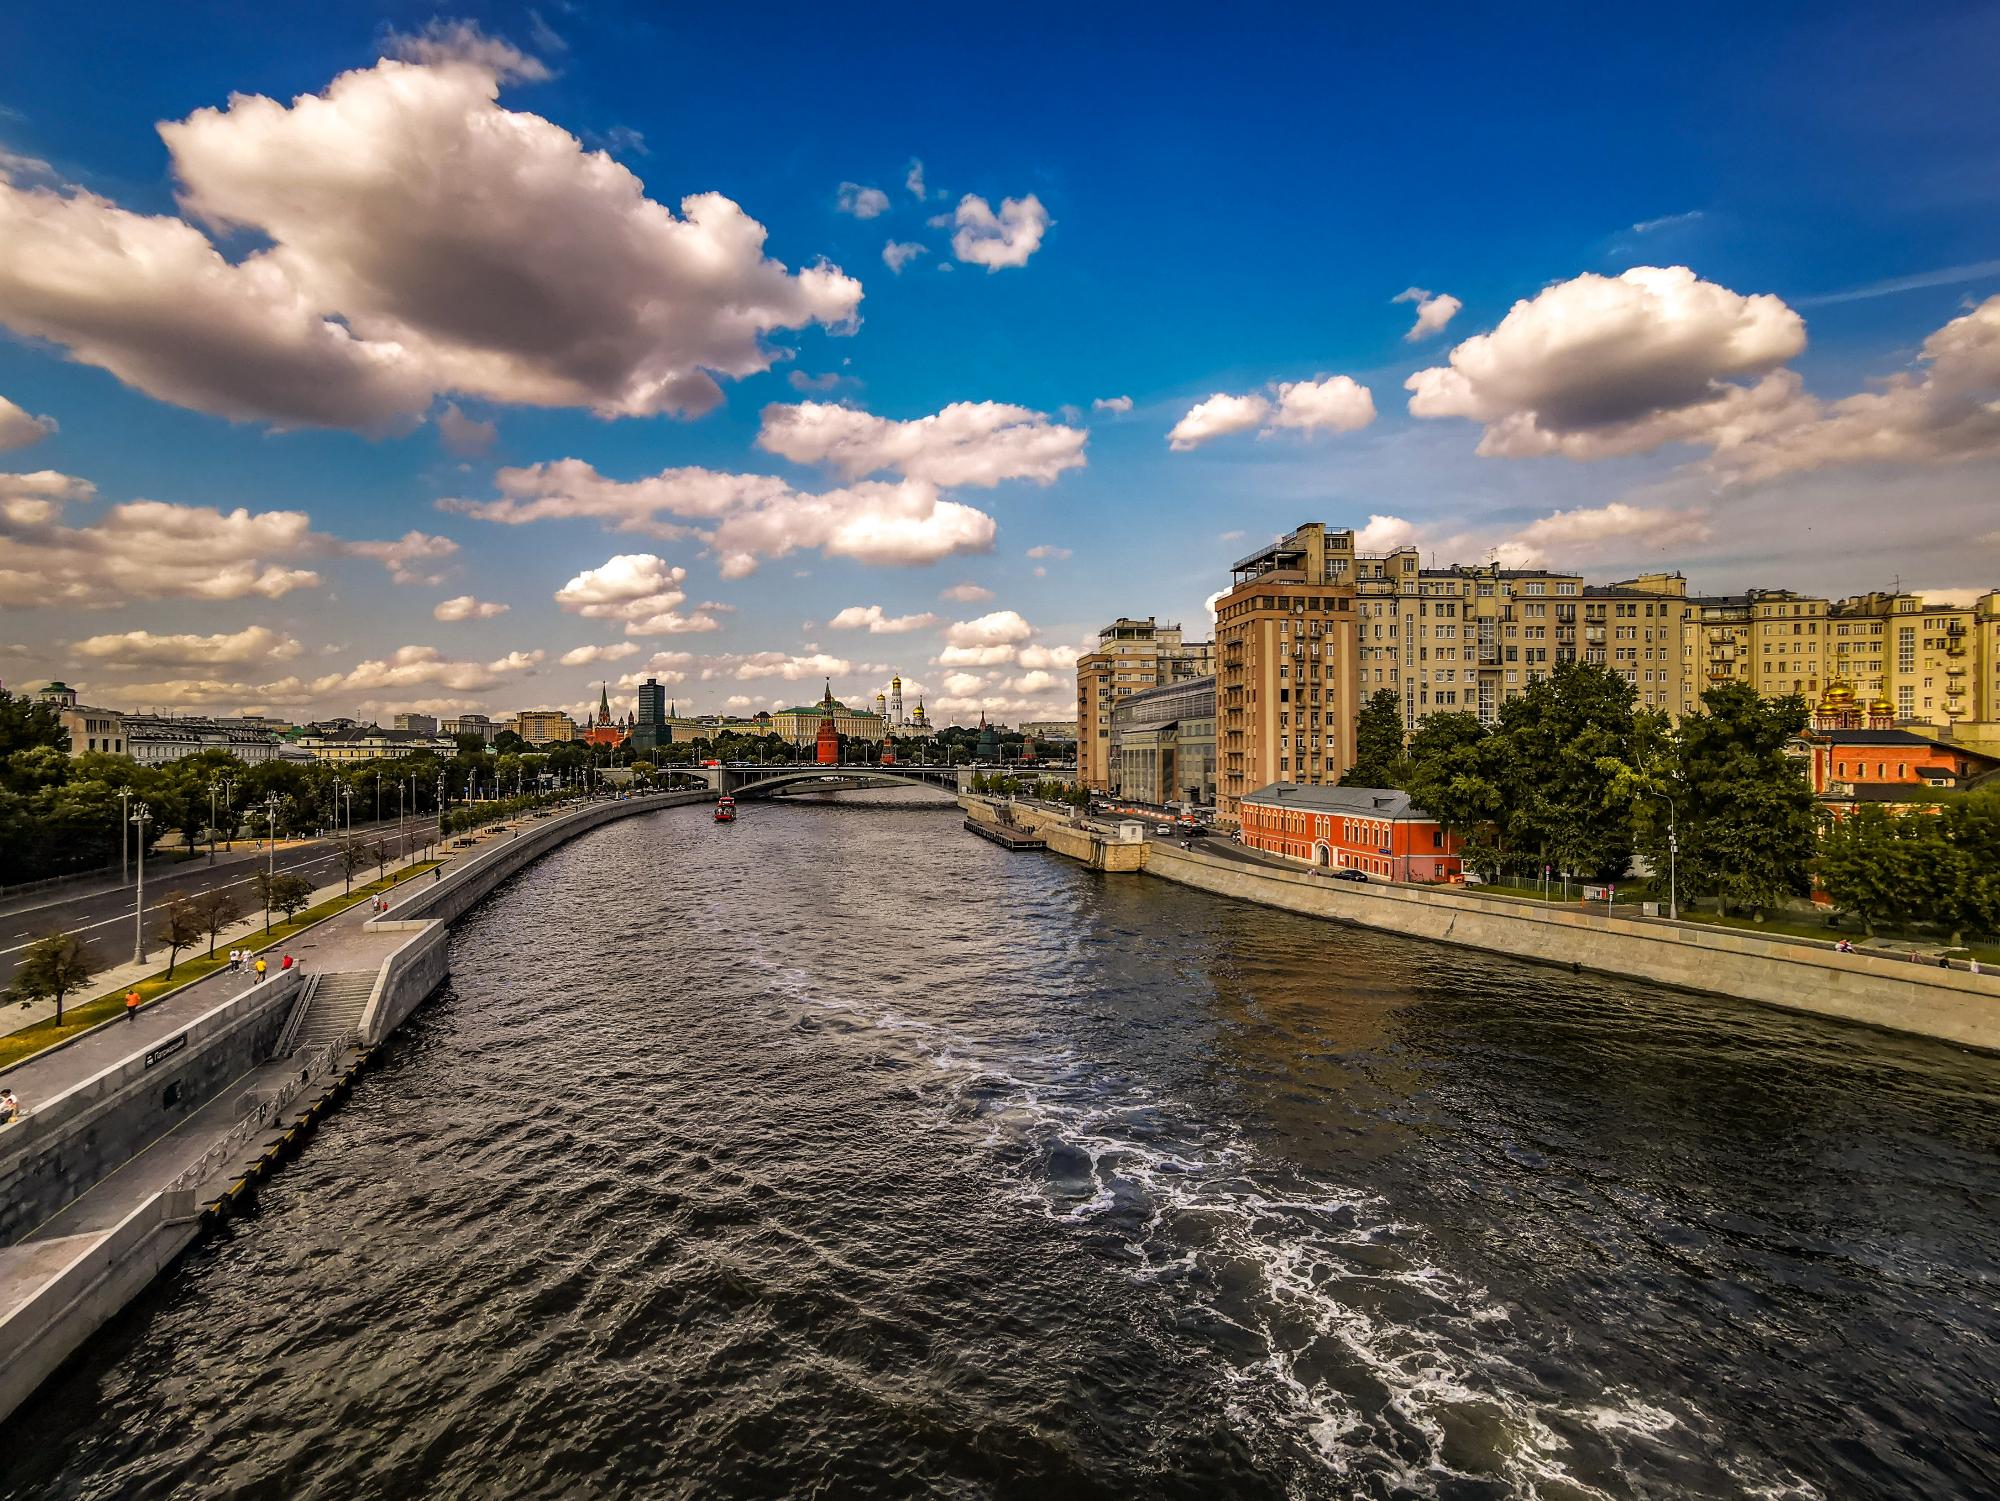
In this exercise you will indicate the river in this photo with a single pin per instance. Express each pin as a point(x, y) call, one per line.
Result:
point(840, 1154)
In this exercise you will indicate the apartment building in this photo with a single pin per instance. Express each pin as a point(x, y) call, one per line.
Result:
point(1287, 684)
point(1461, 639)
point(544, 726)
point(1163, 743)
point(1131, 655)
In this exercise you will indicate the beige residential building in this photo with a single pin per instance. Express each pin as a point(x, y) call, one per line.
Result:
point(89, 729)
point(1923, 658)
point(1131, 655)
point(1287, 684)
point(544, 726)
point(1460, 639)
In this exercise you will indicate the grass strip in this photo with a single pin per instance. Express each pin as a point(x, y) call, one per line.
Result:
point(18, 1047)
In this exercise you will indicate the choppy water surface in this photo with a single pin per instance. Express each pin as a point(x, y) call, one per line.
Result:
point(839, 1154)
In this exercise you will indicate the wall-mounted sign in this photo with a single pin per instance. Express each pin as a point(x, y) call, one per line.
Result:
point(167, 1049)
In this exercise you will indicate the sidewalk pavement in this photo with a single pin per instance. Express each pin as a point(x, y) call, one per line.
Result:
point(190, 1000)
point(336, 945)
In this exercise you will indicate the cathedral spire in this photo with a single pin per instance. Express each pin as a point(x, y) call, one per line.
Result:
point(604, 703)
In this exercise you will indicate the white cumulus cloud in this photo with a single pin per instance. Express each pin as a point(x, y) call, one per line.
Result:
point(466, 607)
point(1326, 403)
point(412, 238)
point(640, 589)
point(1218, 417)
point(1330, 403)
point(18, 429)
point(997, 241)
point(863, 203)
point(142, 648)
point(1601, 366)
point(583, 656)
point(977, 443)
point(966, 593)
point(899, 253)
point(879, 622)
point(744, 518)
point(1115, 404)
point(1434, 311)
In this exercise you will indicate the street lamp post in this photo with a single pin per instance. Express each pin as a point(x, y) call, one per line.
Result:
point(141, 816)
point(271, 843)
point(1673, 864)
point(124, 813)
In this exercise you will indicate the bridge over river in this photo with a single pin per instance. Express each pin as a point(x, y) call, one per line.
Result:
point(750, 779)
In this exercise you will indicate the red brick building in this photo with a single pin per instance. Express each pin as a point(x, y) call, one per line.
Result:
point(1847, 767)
point(1375, 830)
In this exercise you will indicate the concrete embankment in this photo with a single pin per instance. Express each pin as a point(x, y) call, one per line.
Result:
point(96, 1194)
point(1948, 1005)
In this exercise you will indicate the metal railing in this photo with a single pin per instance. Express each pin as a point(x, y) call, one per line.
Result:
point(316, 1062)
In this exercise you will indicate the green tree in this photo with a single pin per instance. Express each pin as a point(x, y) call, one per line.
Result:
point(1449, 773)
point(290, 893)
point(1556, 759)
point(217, 908)
point(353, 854)
point(1742, 811)
point(1869, 863)
point(24, 724)
point(179, 927)
point(1378, 744)
point(52, 969)
point(1966, 892)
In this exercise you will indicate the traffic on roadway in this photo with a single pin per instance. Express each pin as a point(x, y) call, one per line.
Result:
point(104, 917)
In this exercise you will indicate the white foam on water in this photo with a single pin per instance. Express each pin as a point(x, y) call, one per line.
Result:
point(1305, 1272)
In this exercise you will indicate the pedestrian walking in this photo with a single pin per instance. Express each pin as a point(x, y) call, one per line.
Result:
point(132, 1004)
point(261, 967)
point(1973, 965)
point(235, 961)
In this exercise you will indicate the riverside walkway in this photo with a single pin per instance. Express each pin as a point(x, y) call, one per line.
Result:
point(114, 1185)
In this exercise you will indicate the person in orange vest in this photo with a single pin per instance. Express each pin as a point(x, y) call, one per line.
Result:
point(132, 1004)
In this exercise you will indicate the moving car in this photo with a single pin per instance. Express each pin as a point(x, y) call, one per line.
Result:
point(1350, 874)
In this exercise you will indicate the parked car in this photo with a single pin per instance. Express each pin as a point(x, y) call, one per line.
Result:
point(1350, 874)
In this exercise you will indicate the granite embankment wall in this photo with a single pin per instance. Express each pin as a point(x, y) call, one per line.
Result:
point(52, 1303)
point(1062, 833)
point(1894, 994)
point(93, 1281)
point(68, 1143)
point(419, 966)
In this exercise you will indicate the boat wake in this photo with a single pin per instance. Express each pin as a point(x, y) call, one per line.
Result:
point(1350, 1362)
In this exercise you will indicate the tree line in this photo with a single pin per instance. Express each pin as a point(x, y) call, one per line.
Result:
point(1574, 778)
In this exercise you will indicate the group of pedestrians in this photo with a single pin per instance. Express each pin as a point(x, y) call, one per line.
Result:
point(245, 961)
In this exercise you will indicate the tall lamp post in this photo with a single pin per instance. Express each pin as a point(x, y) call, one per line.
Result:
point(226, 788)
point(124, 814)
point(271, 841)
point(141, 816)
point(1673, 864)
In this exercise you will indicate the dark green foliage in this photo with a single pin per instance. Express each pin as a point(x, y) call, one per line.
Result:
point(1378, 744)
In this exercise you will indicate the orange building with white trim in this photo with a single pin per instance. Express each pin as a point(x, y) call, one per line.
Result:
point(1374, 830)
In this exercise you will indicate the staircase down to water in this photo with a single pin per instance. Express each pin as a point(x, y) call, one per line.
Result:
point(337, 1005)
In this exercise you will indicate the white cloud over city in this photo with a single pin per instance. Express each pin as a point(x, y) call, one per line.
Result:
point(514, 266)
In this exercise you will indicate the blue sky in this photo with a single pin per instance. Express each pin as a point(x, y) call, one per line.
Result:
point(1220, 210)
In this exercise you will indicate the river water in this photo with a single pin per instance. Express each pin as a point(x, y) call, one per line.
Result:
point(840, 1154)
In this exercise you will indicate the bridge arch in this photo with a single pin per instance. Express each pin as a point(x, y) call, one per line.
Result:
point(756, 785)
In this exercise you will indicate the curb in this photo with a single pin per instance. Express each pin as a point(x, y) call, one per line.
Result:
point(152, 1001)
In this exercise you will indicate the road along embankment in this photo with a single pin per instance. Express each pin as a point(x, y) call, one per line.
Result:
point(1894, 994)
point(92, 1206)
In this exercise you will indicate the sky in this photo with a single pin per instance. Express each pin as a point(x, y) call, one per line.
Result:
point(397, 359)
